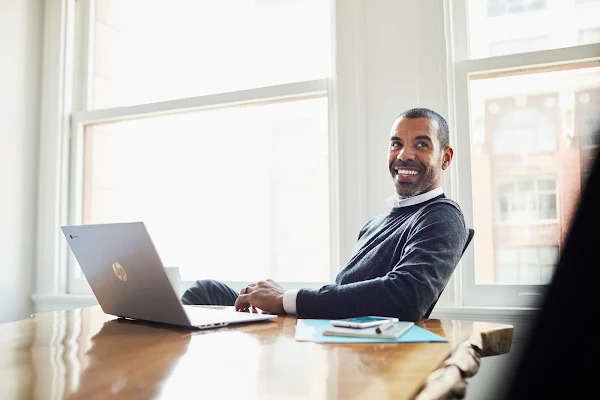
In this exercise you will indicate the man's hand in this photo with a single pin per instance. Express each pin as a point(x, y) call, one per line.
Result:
point(266, 295)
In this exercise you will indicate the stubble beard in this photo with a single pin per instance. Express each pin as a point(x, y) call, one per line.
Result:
point(410, 189)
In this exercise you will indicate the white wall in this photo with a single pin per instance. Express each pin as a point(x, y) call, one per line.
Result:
point(20, 55)
point(399, 76)
point(381, 71)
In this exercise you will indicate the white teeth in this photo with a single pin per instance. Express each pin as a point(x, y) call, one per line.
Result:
point(407, 172)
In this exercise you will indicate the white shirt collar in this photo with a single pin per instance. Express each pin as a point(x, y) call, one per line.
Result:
point(394, 201)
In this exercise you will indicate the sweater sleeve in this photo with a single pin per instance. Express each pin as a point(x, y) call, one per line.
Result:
point(433, 249)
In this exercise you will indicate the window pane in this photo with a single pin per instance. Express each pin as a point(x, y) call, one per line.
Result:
point(508, 274)
point(530, 274)
point(504, 212)
point(236, 194)
point(501, 7)
point(525, 185)
point(529, 255)
point(548, 255)
point(506, 187)
point(546, 272)
point(508, 266)
point(147, 51)
point(546, 184)
point(534, 25)
point(526, 265)
point(524, 193)
point(508, 256)
point(591, 129)
point(547, 206)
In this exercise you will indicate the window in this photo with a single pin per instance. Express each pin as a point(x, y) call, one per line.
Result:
point(590, 132)
point(528, 149)
point(502, 7)
point(218, 141)
point(524, 200)
point(525, 126)
point(526, 265)
point(588, 117)
point(222, 178)
point(186, 48)
point(501, 27)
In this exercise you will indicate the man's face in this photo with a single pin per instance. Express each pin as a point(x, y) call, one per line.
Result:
point(416, 160)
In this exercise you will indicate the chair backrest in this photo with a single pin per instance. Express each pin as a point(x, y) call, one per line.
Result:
point(469, 238)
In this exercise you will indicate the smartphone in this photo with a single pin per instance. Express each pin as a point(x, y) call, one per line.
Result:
point(361, 322)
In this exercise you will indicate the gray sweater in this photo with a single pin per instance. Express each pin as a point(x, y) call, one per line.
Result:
point(401, 263)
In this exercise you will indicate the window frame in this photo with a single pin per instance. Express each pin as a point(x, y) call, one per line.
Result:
point(460, 68)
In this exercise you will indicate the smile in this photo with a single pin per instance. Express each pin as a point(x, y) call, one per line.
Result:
point(403, 171)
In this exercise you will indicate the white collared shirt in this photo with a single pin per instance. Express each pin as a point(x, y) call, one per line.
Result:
point(289, 297)
point(394, 201)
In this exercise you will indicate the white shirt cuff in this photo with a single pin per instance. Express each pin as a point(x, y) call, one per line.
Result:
point(289, 301)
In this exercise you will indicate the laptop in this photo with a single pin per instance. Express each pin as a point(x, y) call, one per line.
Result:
point(128, 278)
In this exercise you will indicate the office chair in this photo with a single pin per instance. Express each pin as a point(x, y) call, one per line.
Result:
point(469, 238)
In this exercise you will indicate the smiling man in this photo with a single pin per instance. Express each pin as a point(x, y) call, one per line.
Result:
point(403, 259)
point(419, 152)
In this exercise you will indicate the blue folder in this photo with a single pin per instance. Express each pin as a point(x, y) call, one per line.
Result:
point(312, 330)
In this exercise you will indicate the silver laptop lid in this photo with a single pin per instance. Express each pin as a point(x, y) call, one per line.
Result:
point(125, 271)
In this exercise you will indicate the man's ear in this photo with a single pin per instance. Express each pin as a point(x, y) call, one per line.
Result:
point(447, 157)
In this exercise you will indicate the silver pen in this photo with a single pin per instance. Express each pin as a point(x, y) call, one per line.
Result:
point(384, 327)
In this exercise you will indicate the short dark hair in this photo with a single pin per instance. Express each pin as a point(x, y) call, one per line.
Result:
point(443, 133)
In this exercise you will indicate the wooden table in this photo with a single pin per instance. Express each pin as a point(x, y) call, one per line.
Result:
point(86, 354)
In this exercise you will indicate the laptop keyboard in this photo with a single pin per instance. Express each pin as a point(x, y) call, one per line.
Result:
point(218, 316)
point(205, 317)
point(204, 310)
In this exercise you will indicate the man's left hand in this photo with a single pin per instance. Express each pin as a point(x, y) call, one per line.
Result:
point(266, 295)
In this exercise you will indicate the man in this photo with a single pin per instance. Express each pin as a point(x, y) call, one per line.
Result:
point(402, 260)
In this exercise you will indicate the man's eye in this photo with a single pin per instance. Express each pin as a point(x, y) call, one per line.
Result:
point(422, 144)
point(395, 144)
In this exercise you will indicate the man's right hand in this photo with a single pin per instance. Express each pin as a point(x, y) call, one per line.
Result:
point(265, 295)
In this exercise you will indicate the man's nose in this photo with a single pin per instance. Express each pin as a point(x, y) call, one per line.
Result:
point(406, 154)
